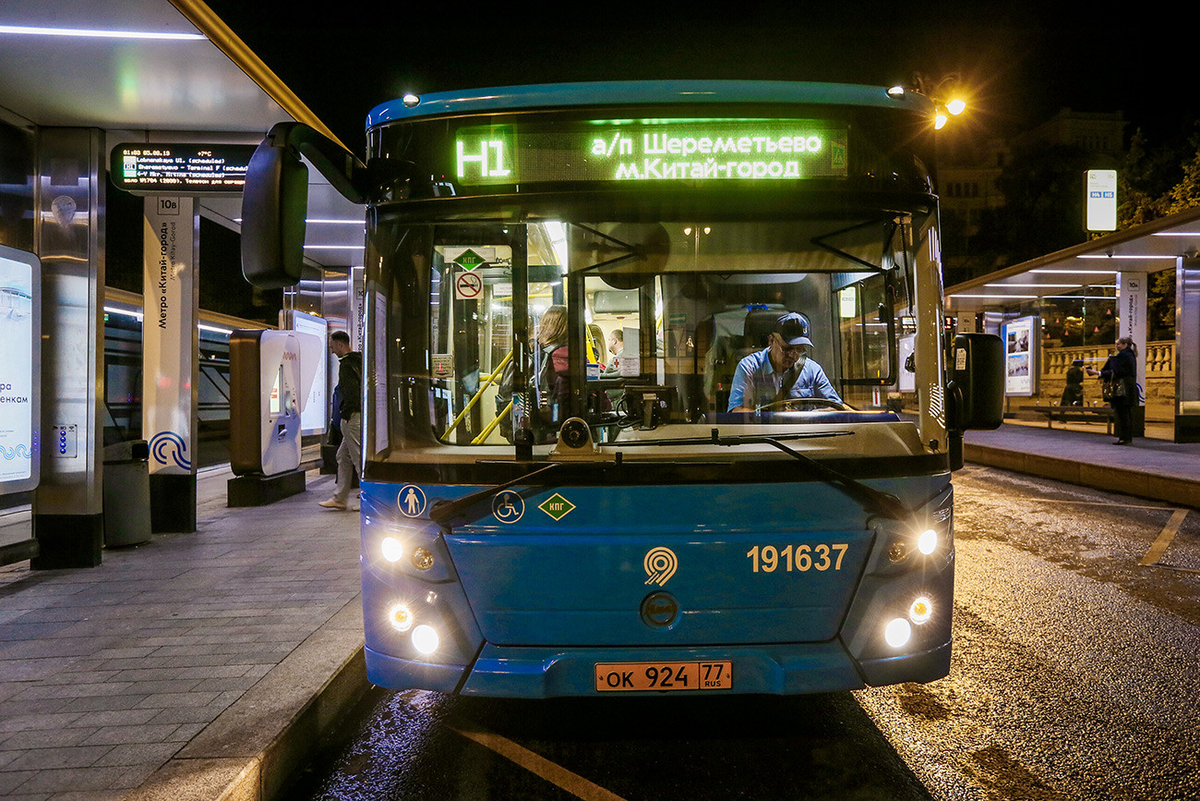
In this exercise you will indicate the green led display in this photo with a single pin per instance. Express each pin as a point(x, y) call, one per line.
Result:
point(649, 151)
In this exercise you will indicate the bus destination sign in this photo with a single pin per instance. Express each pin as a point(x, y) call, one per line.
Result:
point(691, 150)
point(180, 169)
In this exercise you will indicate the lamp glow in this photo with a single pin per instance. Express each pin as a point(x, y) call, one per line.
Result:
point(939, 120)
point(401, 617)
point(920, 611)
point(392, 549)
point(928, 541)
point(425, 639)
point(897, 632)
point(956, 106)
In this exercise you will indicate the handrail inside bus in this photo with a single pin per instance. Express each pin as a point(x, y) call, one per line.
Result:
point(487, 382)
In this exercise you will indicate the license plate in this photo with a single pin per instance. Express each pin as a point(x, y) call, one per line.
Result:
point(663, 676)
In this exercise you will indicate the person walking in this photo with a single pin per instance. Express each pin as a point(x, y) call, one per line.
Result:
point(1119, 375)
point(349, 413)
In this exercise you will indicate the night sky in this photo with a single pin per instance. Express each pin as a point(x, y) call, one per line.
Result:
point(1023, 61)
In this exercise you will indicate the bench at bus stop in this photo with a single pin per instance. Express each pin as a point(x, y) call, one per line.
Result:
point(1074, 414)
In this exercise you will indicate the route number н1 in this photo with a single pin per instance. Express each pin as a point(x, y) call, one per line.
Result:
point(802, 558)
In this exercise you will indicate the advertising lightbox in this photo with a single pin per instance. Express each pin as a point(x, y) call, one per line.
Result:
point(314, 417)
point(1022, 340)
point(20, 378)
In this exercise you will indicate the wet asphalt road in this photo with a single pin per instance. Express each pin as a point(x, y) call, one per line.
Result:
point(1076, 675)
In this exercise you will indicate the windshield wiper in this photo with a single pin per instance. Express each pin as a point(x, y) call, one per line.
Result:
point(444, 510)
point(872, 499)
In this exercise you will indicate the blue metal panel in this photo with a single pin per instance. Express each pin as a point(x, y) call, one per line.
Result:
point(634, 93)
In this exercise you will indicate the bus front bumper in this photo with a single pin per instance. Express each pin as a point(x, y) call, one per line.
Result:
point(545, 672)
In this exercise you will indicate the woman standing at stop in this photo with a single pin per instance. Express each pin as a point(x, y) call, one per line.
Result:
point(1120, 377)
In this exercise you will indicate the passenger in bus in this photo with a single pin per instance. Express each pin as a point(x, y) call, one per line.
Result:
point(550, 383)
point(781, 371)
point(616, 343)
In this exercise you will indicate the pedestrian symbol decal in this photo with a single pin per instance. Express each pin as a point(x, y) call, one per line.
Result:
point(508, 506)
point(411, 501)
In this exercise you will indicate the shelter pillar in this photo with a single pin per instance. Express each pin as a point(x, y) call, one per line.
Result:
point(170, 343)
point(68, 519)
point(1187, 349)
point(1131, 313)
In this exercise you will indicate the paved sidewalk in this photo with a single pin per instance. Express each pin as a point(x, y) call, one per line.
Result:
point(175, 668)
point(1149, 468)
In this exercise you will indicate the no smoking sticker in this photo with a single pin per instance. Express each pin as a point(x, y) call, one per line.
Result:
point(468, 286)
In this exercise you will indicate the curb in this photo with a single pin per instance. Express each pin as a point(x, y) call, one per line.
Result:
point(254, 749)
point(1177, 491)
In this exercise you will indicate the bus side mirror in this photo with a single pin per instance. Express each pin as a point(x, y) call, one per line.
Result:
point(275, 199)
point(274, 204)
point(976, 388)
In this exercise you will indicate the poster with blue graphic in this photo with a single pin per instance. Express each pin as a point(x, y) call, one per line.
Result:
point(19, 379)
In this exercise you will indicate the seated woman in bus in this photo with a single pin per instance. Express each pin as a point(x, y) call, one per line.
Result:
point(550, 383)
point(781, 371)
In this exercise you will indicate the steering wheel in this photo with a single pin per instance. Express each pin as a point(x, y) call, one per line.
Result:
point(797, 404)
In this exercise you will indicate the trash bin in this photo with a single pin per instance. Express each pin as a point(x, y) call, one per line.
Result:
point(126, 493)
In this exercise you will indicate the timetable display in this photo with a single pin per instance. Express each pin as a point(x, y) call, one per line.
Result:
point(180, 169)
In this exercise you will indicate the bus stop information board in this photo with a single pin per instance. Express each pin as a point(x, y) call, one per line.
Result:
point(652, 150)
point(180, 169)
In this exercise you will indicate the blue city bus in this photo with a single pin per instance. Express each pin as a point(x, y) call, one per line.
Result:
point(546, 512)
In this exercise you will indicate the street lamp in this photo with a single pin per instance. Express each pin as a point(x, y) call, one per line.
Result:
point(946, 95)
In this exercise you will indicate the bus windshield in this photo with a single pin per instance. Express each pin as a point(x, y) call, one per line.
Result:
point(655, 331)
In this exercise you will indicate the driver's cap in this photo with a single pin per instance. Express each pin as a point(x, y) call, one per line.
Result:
point(793, 328)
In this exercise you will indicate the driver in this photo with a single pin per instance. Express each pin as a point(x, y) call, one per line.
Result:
point(781, 371)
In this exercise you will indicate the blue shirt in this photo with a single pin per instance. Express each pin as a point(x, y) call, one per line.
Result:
point(755, 382)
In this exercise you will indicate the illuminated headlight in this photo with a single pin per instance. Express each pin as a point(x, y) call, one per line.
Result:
point(392, 549)
point(897, 632)
point(921, 610)
point(928, 541)
point(401, 617)
point(425, 639)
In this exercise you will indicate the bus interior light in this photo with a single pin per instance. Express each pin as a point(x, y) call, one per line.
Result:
point(425, 639)
point(897, 633)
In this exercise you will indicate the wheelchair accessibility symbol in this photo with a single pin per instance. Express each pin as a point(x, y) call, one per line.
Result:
point(508, 506)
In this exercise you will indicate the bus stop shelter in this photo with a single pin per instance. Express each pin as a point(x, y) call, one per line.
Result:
point(1115, 267)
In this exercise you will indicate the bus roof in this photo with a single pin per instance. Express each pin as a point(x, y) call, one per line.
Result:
point(627, 93)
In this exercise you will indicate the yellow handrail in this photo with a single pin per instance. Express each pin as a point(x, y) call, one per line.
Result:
point(487, 382)
point(490, 427)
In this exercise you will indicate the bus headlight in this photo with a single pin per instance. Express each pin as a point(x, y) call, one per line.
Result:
point(920, 611)
point(425, 639)
point(401, 617)
point(928, 541)
point(422, 559)
point(391, 549)
point(897, 633)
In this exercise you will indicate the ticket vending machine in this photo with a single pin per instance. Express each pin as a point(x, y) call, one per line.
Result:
point(270, 374)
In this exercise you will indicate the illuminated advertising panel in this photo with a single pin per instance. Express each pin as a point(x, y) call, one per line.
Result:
point(315, 414)
point(180, 169)
point(1021, 349)
point(648, 151)
point(20, 379)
